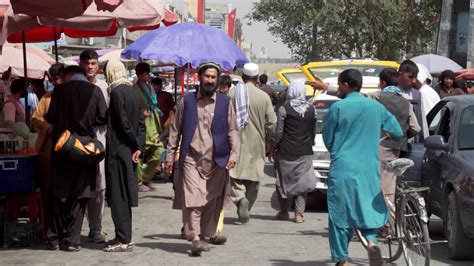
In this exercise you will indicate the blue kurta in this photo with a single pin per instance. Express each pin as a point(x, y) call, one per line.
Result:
point(352, 133)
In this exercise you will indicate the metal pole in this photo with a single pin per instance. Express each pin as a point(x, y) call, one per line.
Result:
point(55, 45)
point(25, 74)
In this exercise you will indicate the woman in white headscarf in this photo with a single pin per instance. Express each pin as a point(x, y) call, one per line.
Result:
point(125, 140)
point(292, 145)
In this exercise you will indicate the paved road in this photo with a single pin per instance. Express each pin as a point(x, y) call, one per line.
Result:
point(263, 241)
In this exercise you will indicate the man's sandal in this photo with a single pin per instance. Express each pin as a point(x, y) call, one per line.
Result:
point(119, 247)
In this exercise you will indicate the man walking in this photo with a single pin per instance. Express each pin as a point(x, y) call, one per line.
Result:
point(206, 124)
point(153, 146)
point(256, 121)
point(352, 131)
point(77, 106)
point(89, 62)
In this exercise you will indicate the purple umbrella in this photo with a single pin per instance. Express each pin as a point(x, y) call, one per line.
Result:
point(187, 43)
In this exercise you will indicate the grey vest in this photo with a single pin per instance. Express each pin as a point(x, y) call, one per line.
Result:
point(398, 107)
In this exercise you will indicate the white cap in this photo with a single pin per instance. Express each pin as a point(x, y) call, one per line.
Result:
point(250, 70)
point(423, 73)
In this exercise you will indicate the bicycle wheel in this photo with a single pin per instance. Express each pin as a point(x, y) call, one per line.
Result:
point(412, 229)
point(390, 247)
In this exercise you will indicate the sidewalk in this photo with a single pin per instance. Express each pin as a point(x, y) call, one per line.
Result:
point(263, 241)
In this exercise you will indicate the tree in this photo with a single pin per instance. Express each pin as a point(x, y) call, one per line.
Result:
point(322, 29)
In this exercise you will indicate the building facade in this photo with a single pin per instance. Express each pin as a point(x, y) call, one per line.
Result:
point(456, 31)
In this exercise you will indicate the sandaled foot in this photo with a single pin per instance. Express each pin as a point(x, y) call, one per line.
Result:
point(197, 247)
point(150, 185)
point(243, 211)
point(183, 235)
point(71, 247)
point(52, 245)
point(119, 247)
point(284, 216)
point(217, 240)
point(375, 255)
point(299, 218)
point(143, 188)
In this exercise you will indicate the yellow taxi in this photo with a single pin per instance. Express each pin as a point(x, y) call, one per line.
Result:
point(289, 74)
point(328, 71)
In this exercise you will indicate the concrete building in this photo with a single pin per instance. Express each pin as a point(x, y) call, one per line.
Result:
point(456, 31)
point(215, 15)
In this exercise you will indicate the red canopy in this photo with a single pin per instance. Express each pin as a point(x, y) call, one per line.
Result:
point(60, 9)
point(142, 16)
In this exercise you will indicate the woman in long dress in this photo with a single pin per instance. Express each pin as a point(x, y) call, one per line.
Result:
point(125, 141)
point(292, 147)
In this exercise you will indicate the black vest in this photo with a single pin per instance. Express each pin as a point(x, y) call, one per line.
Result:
point(219, 127)
point(398, 107)
point(298, 137)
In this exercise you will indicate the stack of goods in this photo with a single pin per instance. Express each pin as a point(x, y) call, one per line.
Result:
point(18, 183)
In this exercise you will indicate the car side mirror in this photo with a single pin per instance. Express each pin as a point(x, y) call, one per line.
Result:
point(436, 142)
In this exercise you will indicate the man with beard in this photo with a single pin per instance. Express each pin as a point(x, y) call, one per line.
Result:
point(205, 123)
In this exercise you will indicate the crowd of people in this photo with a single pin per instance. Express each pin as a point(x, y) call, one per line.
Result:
point(214, 143)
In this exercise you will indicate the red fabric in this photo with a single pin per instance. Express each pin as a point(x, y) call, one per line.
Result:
point(40, 34)
point(200, 11)
point(231, 24)
point(170, 18)
point(131, 29)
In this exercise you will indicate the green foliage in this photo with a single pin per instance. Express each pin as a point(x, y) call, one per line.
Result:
point(321, 29)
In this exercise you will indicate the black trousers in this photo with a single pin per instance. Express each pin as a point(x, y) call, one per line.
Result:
point(122, 217)
point(121, 212)
point(64, 220)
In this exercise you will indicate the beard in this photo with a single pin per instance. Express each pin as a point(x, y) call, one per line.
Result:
point(207, 89)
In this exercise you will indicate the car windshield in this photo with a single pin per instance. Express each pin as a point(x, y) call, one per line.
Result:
point(334, 71)
point(466, 129)
point(294, 76)
point(322, 109)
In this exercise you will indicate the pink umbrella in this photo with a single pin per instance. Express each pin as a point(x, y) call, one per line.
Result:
point(61, 9)
point(141, 15)
point(12, 56)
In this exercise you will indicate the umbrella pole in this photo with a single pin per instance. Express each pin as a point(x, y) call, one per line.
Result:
point(55, 45)
point(25, 73)
point(175, 86)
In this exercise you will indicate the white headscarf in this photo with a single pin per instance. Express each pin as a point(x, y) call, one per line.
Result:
point(116, 74)
point(296, 96)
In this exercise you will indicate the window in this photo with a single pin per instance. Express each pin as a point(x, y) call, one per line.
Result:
point(435, 122)
point(466, 129)
point(444, 128)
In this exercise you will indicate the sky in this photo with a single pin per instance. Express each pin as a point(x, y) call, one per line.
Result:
point(257, 33)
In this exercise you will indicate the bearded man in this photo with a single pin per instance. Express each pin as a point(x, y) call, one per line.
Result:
point(205, 128)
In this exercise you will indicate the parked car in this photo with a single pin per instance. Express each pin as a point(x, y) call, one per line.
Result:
point(447, 168)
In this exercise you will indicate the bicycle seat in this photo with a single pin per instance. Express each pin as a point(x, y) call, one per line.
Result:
point(399, 166)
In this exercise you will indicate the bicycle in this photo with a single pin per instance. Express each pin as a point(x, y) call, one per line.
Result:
point(409, 218)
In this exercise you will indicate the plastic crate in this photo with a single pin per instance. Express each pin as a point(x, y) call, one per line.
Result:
point(21, 233)
point(17, 174)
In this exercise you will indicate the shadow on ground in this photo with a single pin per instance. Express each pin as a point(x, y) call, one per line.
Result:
point(162, 236)
point(180, 248)
point(317, 262)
